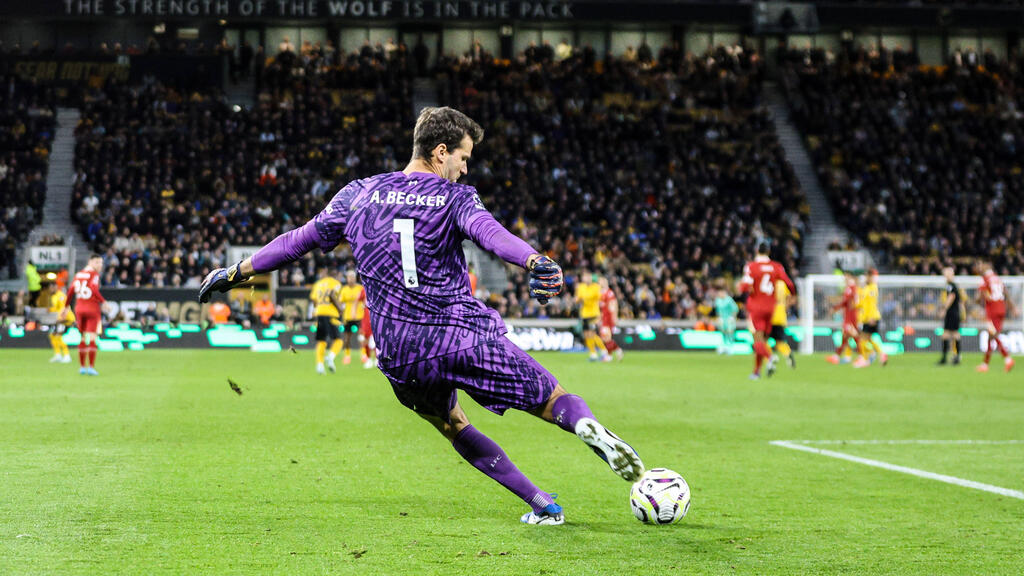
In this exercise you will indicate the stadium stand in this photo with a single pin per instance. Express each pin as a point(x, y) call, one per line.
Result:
point(26, 132)
point(164, 179)
point(659, 175)
point(922, 163)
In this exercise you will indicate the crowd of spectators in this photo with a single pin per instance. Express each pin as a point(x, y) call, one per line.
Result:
point(52, 240)
point(657, 169)
point(922, 163)
point(26, 132)
point(317, 69)
point(659, 174)
point(165, 179)
point(316, 64)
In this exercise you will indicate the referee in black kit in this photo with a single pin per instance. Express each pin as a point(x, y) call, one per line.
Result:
point(955, 313)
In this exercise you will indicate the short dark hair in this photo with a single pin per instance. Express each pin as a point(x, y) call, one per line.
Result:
point(442, 126)
point(94, 256)
point(764, 248)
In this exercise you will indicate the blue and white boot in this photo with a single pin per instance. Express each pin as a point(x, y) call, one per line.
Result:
point(620, 456)
point(551, 515)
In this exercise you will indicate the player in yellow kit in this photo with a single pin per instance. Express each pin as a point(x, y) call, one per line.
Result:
point(588, 296)
point(355, 307)
point(324, 297)
point(783, 300)
point(55, 301)
point(870, 316)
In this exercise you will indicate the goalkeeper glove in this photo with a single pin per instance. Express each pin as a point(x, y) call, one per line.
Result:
point(221, 280)
point(545, 279)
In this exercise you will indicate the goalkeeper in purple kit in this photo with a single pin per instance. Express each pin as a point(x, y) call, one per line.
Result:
point(433, 338)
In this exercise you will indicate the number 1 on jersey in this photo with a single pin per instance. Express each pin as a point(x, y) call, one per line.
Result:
point(405, 228)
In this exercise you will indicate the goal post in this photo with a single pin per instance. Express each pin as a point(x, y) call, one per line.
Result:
point(912, 310)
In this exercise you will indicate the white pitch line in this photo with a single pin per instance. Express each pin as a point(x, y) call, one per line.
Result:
point(897, 442)
point(904, 469)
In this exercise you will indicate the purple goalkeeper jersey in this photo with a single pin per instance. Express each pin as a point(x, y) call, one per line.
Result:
point(406, 233)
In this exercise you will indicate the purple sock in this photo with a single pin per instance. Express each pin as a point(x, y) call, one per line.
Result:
point(486, 456)
point(568, 410)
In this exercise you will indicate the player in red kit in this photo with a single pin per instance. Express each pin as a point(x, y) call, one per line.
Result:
point(609, 315)
point(759, 277)
point(993, 294)
point(88, 303)
point(850, 331)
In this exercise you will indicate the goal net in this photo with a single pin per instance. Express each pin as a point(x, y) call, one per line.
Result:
point(912, 307)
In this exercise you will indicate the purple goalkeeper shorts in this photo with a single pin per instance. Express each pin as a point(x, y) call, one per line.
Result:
point(497, 374)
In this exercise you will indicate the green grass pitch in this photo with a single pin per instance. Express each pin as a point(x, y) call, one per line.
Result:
point(157, 467)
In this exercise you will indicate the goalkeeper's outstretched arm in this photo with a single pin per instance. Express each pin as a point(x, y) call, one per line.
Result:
point(324, 231)
point(546, 279)
point(286, 248)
